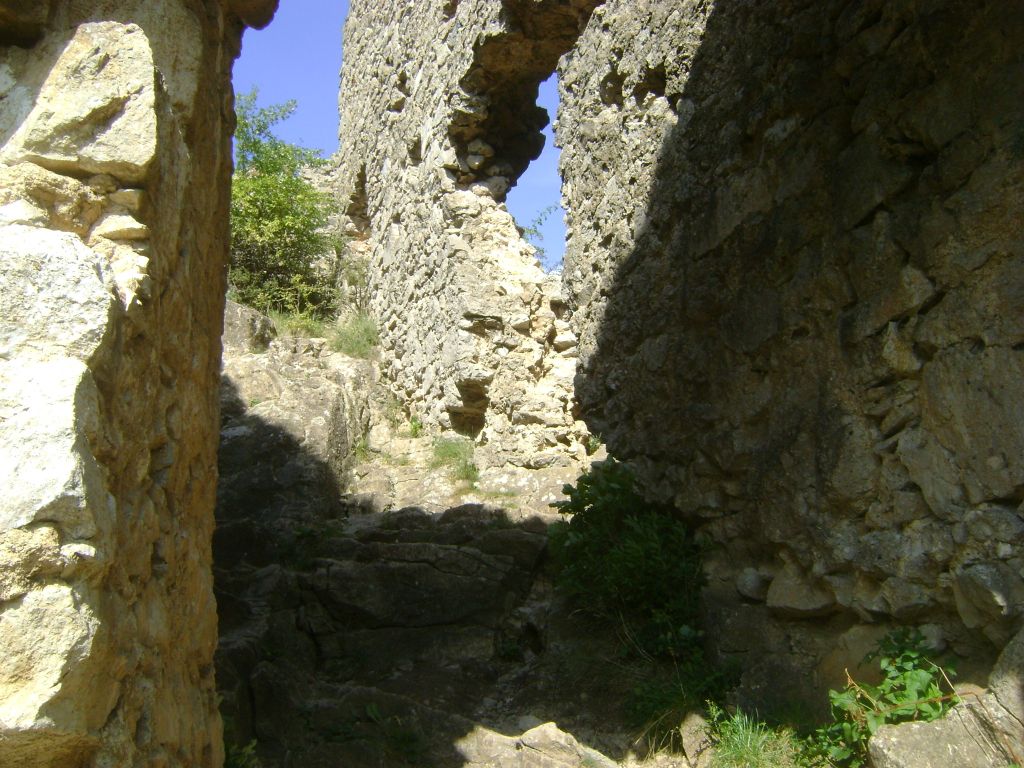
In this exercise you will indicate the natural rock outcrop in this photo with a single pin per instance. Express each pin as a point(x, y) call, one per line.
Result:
point(403, 638)
point(292, 413)
point(438, 120)
point(795, 271)
point(114, 170)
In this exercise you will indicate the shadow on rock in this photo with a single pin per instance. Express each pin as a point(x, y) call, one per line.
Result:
point(408, 637)
point(777, 334)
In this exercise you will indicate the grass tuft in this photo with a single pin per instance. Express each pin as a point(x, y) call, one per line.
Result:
point(298, 324)
point(742, 741)
point(356, 336)
point(457, 455)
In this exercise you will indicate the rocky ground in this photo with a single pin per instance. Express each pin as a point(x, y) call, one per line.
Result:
point(376, 609)
point(382, 604)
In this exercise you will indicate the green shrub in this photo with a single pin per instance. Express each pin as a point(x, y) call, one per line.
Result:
point(277, 219)
point(911, 689)
point(630, 561)
point(457, 455)
point(636, 565)
point(741, 741)
point(356, 336)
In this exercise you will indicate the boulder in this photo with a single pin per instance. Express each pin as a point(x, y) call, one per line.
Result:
point(974, 735)
point(245, 329)
point(545, 746)
point(791, 593)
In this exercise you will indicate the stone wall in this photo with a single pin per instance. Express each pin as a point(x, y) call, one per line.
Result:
point(115, 119)
point(439, 118)
point(797, 277)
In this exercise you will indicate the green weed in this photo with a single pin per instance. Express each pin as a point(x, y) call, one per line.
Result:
point(392, 409)
point(661, 700)
point(457, 455)
point(361, 450)
point(396, 461)
point(395, 740)
point(241, 757)
point(913, 688)
point(500, 495)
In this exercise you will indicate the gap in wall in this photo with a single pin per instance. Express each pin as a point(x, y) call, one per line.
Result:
point(298, 57)
point(535, 200)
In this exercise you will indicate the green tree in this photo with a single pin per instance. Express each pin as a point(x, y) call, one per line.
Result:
point(277, 218)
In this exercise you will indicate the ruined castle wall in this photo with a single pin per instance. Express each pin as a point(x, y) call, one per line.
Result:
point(115, 118)
point(439, 118)
point(796, 268)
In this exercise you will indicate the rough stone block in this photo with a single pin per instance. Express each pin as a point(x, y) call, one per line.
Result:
point(96, 112)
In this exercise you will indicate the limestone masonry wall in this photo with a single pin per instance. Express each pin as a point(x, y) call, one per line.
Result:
point(115, 120)
point(794, 271)
point(797, 277)
point(794, 294)
point(439, 117)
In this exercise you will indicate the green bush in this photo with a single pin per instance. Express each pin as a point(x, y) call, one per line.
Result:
point(277, 219)
point(630, 561)
point(355, 336)
point(636, 565)
point(911, 689)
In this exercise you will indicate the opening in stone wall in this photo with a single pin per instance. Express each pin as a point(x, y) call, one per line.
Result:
point(298, 57)
point(535, 200)
point(503, 127)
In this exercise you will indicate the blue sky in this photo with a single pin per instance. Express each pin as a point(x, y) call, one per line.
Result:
point(299, 57)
